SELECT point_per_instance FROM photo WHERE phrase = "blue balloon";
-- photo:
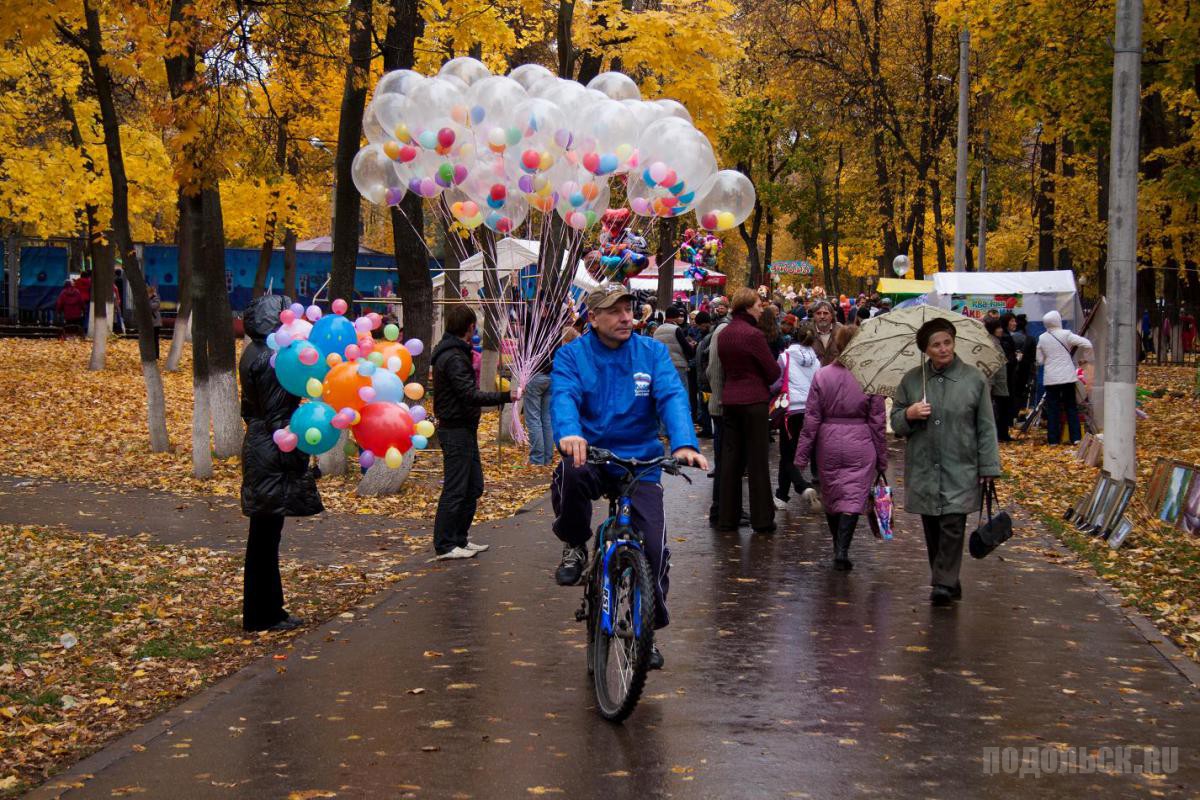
(477, 114)
(608, 163)
(314, 416)
(647, 179)
(388, 387)
(494, 203)
(293, 374)
(333, 333)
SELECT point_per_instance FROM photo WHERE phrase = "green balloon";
(391, 332)
(350, 448)
(446, 173)
(376, 359)
(512, 136)
(313, 436)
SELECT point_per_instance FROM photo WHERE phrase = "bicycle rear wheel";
(621, 659)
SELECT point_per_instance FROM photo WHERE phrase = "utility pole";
(1120, 369)
(981, 263)
(960, 179)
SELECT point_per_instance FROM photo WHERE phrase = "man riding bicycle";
(609, 389)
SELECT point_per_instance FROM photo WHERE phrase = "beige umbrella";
(885, 348)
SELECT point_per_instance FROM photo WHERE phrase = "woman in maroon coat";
(845, 433)
(749, 369)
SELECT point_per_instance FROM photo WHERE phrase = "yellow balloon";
(725, 221)
(314, 387)
(502, 384)
(414, 391)
(391, 150)
(425, 428)
(402, 132)
(393, 458)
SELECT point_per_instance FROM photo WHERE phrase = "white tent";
(512, 255)
(1029, 293)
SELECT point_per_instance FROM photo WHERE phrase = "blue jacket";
(613, 398)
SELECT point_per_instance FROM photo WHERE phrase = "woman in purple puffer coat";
(845, 433)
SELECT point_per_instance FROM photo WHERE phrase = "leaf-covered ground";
(102, 633)
(1157, 570)
(63, 421)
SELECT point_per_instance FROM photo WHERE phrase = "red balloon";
(498, 191)
(531, 159)
(445, 137)
(407, 153)
(591, 162)
(384, 425)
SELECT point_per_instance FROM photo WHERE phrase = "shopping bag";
(879, 511)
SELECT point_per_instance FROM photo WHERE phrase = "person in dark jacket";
(456, 403)
(275, 484)
(750, 369)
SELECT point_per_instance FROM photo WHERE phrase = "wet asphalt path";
(783, 679)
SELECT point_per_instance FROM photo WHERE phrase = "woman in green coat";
(944, 410)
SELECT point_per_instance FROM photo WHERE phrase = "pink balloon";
(352, 352)
(285, 440)
(362, 325)
(414, 347)
(286, 316)
(313, 312)
(640, 206)
(282, 338)
(309, 356)
(376, 320)
(367, 393)
(340, 422)
(339, 306)
(658, 171)
(366, 344)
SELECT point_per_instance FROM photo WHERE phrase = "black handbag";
(993, 533)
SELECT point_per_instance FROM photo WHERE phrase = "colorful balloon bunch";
(622, 253)
(497, 146)
(701, 251)
(349, 382)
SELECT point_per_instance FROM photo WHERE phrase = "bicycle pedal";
(580, 615)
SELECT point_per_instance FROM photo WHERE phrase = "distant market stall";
(901, 289)
(973, 294)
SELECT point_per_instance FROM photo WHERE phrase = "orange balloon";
(341, 387)
(390, 349)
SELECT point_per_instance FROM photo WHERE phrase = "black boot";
(841, 542)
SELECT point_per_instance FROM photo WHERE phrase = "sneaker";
(814, 502)
(570, 569)
(458, 552)
(781, 504)
(656, 659)
(476, 546)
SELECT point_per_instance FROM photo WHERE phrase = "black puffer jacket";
(273, 482)
(456, 396)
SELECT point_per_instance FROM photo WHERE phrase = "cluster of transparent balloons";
(495, 147)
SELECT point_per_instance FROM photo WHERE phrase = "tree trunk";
(822, 227)
(939, 232)
(414, 284)
(333, 461)
(222, 350)
(1067, 165)
(566, 50)
(289, 263)
(183, 316)
(665, 258)
(266, 251)
(382, 479)
(837, 211)
(1045, 207)
(346, 199)
(191, 237)
(92, 45)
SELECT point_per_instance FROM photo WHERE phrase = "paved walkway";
(783, 679)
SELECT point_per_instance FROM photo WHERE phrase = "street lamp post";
(960, 179)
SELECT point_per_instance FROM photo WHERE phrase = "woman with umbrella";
(944, 410)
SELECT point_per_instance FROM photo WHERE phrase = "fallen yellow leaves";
(100, 436)
(102, 633)
(1158, 569)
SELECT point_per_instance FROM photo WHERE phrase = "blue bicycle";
(618, 600)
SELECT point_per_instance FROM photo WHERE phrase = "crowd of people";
(759, 374)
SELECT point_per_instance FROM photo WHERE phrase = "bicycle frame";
(618, 513)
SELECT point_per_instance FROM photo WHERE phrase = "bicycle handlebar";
(600, 456)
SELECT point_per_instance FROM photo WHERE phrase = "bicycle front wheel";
(622, 657)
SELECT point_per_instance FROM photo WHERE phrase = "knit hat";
(935, 325)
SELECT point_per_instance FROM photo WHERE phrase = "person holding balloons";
(275, 484)
(456, 403)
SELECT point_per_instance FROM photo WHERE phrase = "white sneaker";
(814, 502)
(476, 546)
(458, 552)
(780, 504)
